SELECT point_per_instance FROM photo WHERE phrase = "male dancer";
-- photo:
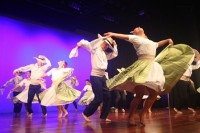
(37, 71)
(102, 50)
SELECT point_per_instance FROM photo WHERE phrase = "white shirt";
(24, 82)
(58, 73)
(15, 81)
(37, 72)
(99, 58)
(188, 72)
(87, 88)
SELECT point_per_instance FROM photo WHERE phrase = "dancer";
(184, 93)
(59, 93)
(198, 98)
(119, 97)
(37, 71)
(88, 95)
(24, 82)
(102, 50)
(23, 96)
(144, 76)
(145, 98)
(16, 90)
(73, 82)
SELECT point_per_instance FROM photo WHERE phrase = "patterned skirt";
(160, 74)
(86, 98)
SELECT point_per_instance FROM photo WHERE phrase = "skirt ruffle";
(23, 97)
(86, 98)
(175, 60)
(59, 95)
(138, 73)
(172, 62)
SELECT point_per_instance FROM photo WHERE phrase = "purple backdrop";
(21, 41)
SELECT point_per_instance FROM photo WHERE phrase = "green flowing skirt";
(86, 98)
(174, 61)
(60, 93)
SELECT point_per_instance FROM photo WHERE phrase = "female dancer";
(145, 76)
(88, 95)
(59, 93)
(73, 82)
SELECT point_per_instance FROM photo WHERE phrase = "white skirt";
(50, 98)
(23, 97)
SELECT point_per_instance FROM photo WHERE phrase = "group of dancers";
(60, 94)
(150, 74)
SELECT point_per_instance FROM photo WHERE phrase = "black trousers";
(183, 95)
(102, 95)
(119, 99)
(74, 103)
(34, 89)
(17, 106)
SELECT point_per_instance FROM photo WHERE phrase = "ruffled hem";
(87, 98)
(174, 61)
(59, 95)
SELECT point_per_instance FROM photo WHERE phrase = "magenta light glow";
(21, 41)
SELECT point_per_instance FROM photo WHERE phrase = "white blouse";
(188, 72)
(143, 45)
(57, 73)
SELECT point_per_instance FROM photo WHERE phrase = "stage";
(159, 121)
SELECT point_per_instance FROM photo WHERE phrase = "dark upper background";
(105, 15)
(176, 19)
